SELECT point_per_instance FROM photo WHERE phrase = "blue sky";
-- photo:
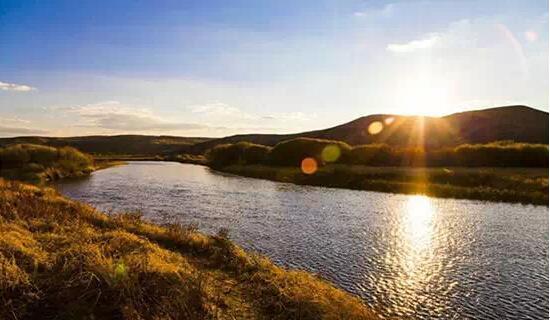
(214, 68)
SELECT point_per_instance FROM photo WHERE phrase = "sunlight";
(426, 97)
(418, 222)
(417, 232)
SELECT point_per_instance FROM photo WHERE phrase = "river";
(404, 255)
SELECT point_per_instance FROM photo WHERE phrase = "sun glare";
(418, 220)
(422, 97)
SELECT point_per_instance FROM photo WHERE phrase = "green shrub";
(34, 162)
(501, 155)
(14, 156)
(238, 153)
(373, 155)
(498, 154)
(292, 152)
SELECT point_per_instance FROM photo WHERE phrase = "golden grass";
(60, 259)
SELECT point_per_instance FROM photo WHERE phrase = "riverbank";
(522, 185)
(181, 158)
(60, 258)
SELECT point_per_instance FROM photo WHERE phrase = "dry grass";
(60, 259)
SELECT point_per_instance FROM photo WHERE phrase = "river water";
(406, 256)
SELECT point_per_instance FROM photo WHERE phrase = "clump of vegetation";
(37, 162)
(60, 259)
(496, 154)
(499, 154)
(238, 153)
(292, 152)
(523, 185)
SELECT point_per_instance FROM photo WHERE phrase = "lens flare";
(309, 166)
(331, 153)
(375, 127)
(531, 36)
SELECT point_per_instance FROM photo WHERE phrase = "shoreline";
(401, 180)
(150, 270)
(376, 179)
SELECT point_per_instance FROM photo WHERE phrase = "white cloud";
(385, 11)
(414, 45)
(220, 109)
(289, 116)
(17, 126)
(4, 86)
(16, 131)
(115, 116)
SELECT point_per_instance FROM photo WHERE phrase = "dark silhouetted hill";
(113, 145)
(517, 123)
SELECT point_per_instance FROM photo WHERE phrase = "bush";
(292, 152)
(373, 155)
(498, 154)
(238, 153)
(501, 155)
(14, 156)
(31, 162)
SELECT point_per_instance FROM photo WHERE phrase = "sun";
(423, 97)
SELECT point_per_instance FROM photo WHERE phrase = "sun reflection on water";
(417, 223)
(412, 257)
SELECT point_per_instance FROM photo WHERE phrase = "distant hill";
(517, 123)
(113, 145)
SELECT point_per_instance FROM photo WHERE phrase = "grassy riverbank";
(62, 259)
(39, 164)
(181, 158)
(524, 185)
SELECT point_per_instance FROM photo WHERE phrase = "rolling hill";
(113, 145)
(517, 123)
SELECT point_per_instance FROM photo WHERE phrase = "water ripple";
(406, 256)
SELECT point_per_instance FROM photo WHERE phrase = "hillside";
(518, 123)
(112, 145)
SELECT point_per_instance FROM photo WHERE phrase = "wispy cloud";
(414, 45)
(113, 115)
(17, 126)
(220, 109)
(4, 86)
(289, 116)
(14, 131)
(385, 11)
(227, 112)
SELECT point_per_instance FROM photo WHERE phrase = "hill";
(517, 123)
(134, 145)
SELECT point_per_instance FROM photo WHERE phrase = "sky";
(217, 68)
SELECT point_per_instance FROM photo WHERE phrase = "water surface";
(406, 256)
